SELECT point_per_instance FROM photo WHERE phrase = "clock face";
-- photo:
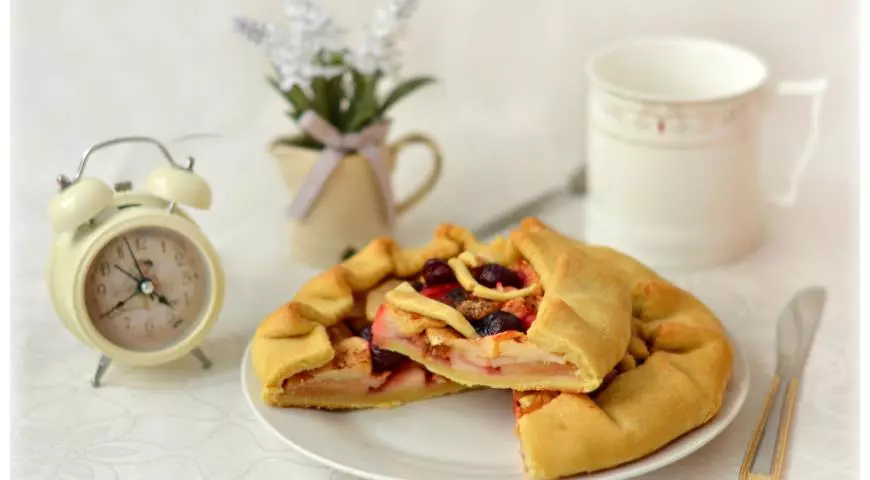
(147, 289)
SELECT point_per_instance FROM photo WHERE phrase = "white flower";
(293, 48)
(379, 49)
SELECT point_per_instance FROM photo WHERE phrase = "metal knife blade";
(796, 329)
(513, 216)
(576, 185)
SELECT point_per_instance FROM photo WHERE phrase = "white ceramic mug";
(674, 130)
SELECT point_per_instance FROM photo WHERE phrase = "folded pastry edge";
(293, 339)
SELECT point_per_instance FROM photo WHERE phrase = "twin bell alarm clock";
(131, 274)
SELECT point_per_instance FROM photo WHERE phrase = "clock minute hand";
(128, 273)
(120, 304)
(135, 262)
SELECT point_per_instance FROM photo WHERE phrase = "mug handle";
(434, 173)
(816, 89)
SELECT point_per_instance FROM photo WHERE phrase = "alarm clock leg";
(101, 370)
(198, 353)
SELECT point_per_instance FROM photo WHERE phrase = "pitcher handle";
(815, 88)
(434, 174)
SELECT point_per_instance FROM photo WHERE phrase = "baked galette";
(317, 351)
(523, 315)
(608, 361)
(671, 380)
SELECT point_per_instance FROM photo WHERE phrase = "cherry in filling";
(498, 322)
(437, 272)
(523, 308)
(492, 274)
(487, 317)
(382, 360)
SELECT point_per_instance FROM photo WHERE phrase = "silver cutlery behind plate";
(576, 185)
(795, 330)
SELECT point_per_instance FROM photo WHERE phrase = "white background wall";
(509, 108)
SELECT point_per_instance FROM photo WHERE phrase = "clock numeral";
(101, 290)
(149, 327)
(175, 321)
(141, 244)
(186, 279)
(105, 269)
(127, 321)
(163, 246)
(120, 251)
(186, 299)
(179, 258)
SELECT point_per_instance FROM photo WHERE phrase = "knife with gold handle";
(795, 331)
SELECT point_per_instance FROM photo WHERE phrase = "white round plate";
(469, 435)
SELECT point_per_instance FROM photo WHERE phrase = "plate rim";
(644, 465)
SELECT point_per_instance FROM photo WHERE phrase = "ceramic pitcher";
(348, 212)
(674, 130)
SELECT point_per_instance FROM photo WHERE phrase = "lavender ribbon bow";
(367, 143)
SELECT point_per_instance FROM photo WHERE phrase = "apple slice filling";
(359, 368)
(501, 347)
(640, 348)
(506, 353)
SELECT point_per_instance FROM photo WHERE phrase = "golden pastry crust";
(349, 401)
(293, 339)
(584, 317)
(585, 314)
(678, 387)
(657, 361)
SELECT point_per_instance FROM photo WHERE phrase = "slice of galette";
(533, 312)
(671, 381)
(316, 350)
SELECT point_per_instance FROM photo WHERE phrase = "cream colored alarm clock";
(131, 274)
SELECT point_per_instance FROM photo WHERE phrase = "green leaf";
(321, 97)
(303, 141)
(367, 111)
(333, 58)
(296, 97)
(328, 91)
(277, 86)
(357, 80)
(363, 106)
(336, 95)
(340, 97)
(403, 89)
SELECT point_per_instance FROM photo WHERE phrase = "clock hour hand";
(120, 304)
(162, 299)
(128, 273)
(135, 262)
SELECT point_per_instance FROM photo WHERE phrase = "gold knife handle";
(765, 455)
